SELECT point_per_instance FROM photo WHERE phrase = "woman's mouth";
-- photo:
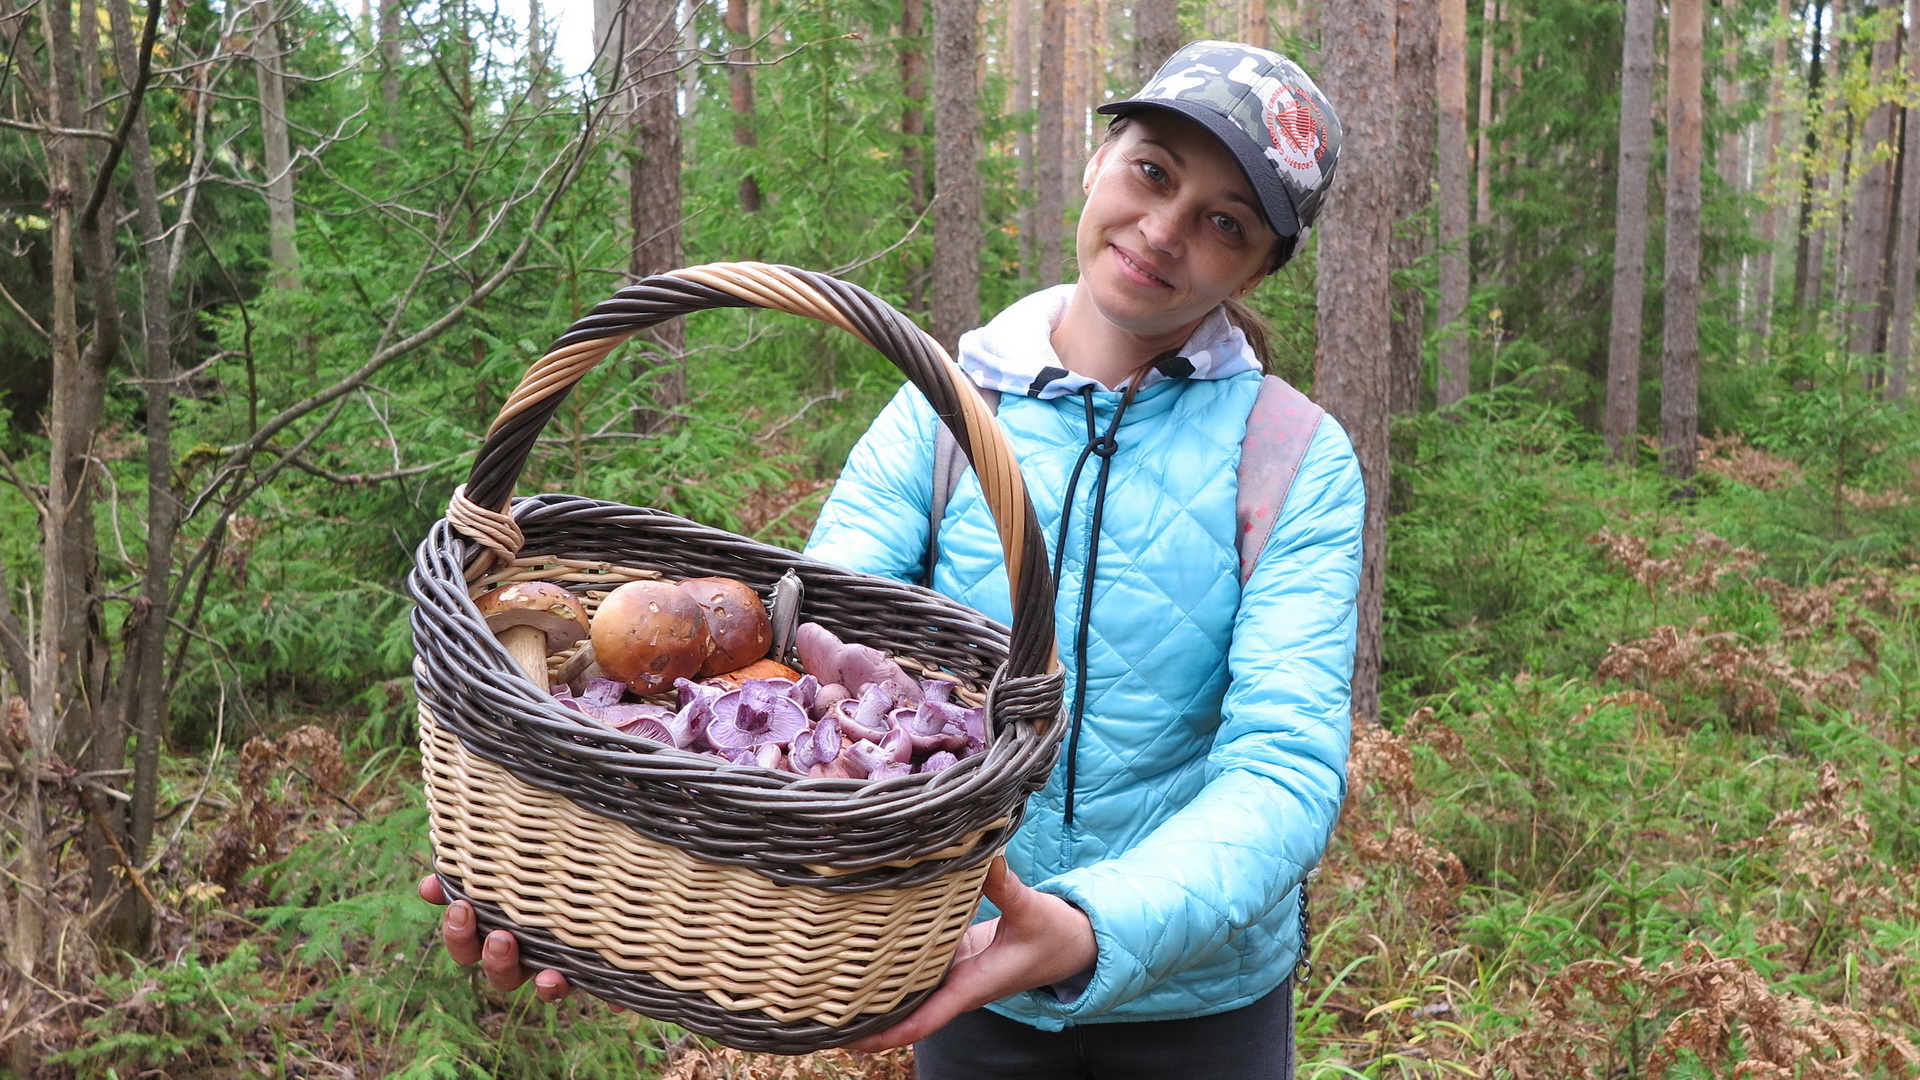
(1136, 271)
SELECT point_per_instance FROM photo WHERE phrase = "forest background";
(1616, 299)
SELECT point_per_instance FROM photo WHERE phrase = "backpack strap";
(1279, 430)
(948, 463)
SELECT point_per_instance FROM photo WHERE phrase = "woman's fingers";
(460, 932)
(431, 890)
(500, 961)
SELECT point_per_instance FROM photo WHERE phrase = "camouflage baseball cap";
(1269, 114)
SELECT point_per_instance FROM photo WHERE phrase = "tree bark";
(1021, 109)
(956, 165)
(913, 113)
(1455, 199)
(1907, 247)
(1049, 203)
(1483, 144)
(740, 97)
(1414, 128)
(1680, 365)
(1156, 34)
(1630, 230)
(653, 161)
(1770, 208)
(278, 155)
(1867, 218)
(390, 71)
(138, 703)
(1807, 247)
(1353, 312)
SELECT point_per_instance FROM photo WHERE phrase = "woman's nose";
(1160, 230)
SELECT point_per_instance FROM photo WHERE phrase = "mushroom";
(533, 619)
(649, 633)
(759, 669)
(736, 619)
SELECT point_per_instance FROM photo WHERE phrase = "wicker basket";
(766, 910)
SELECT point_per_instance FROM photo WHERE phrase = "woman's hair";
(1250, 322)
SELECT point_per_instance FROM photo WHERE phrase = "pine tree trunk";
(1807, 247)
(278, 156)
(1049, 204)
(740, 98)
(1414, 126)
(1156, 35)
(1770, 209)
(956, 216)
(1866, 246)
(1630, 229)
(1680, 366)
(537, 52)
(653, 155)
(1455, 199)
(1354, 313)
(1021, 109)
(1907, 247)
(1483, 144)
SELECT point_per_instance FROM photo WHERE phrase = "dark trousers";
(1250, 1043)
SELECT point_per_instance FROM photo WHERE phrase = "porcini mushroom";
(649, 633)
(736, 618)
(533, 619)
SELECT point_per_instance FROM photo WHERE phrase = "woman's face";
(1170, 228)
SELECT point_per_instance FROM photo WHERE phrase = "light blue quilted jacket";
(1211, 760)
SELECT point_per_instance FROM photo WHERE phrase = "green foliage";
(188, 1014)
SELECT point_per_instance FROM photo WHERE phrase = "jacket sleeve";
(875, 520)
(1220, 866)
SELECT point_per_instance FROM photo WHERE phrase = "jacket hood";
(1013, 353)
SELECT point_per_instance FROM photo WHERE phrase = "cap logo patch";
(1295, 125)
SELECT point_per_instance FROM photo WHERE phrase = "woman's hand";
(499, 957)
(1039, 939)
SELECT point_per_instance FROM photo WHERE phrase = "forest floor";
(1646, 803)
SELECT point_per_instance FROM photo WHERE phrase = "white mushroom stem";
(528, 647)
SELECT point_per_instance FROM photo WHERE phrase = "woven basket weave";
(766, 910)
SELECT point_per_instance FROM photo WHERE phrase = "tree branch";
(132, 112)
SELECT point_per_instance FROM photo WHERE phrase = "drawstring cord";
(1105, 446)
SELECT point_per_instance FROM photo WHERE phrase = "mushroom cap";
(542, 605)
(649, 633)
(742, 631)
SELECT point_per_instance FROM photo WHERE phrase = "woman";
(1205, 763)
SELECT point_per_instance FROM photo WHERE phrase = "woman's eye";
(1228, 224)
(1152, 172)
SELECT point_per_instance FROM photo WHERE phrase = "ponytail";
(1255, 326)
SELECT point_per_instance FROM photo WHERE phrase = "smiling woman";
(1208, 714)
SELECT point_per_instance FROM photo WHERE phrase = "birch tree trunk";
(278, 156)
(1414, 128)
(956, 172)
(1866, 246)
(653, 160)
(1907, 246)
(1770, 208)
(1630, 230)
(1455, 198)
(1049, 204)
(1354, 313)
(1680, 366)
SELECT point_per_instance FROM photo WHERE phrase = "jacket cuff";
(1117, 975)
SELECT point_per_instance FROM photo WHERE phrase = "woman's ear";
(1093, 168)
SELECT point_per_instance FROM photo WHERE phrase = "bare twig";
(127, 116)
(51, 129)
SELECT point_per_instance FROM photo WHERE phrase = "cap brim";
(1274, 202)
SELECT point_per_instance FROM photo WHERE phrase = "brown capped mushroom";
(648, 633)
(736, 618)
(533, 619)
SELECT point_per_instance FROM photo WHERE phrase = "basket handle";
(481, 508)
